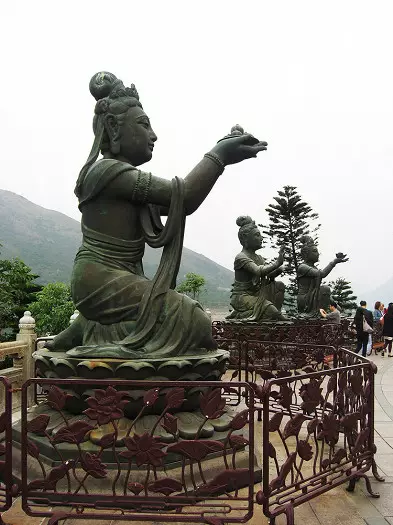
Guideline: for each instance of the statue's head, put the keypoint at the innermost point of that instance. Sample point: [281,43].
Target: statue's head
[122,129]
[249,234]
[309,250]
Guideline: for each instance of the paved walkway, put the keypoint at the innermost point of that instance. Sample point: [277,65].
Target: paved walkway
[337,507]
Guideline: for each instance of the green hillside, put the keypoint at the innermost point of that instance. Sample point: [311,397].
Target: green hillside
[47,241]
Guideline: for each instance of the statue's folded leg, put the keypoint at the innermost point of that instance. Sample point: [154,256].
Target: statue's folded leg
[69,338]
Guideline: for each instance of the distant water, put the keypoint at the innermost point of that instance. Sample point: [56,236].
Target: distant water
[219,314]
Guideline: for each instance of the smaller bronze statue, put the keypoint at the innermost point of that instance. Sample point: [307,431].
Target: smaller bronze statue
[312,295]
[255,295]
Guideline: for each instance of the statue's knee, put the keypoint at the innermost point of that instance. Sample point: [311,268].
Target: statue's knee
[325,290]
[280,286]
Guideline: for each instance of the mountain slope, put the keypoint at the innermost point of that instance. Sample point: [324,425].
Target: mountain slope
[47,241]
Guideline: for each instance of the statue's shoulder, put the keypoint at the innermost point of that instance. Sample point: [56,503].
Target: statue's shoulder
[241,260]
[303,269]
[101,173]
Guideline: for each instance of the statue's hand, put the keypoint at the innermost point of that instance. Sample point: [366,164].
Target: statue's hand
[281,255]
[235,149]
[340,258]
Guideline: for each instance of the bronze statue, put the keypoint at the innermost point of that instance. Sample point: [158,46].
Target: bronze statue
[255,296]
[312,295]
[122,313]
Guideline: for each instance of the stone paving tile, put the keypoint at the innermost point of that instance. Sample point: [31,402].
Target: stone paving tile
[385,430]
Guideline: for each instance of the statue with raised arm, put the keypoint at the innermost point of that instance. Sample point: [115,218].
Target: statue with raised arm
[256,295]
[123,314]
[312,295]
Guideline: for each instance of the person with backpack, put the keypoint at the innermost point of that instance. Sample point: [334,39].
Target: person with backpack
[364,323]
[387,332]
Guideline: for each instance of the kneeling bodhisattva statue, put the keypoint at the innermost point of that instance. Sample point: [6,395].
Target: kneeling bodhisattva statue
[123,314]
[256,295]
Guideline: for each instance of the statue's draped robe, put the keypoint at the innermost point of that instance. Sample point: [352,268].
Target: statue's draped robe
[250,300]
[127,314]
[311,295]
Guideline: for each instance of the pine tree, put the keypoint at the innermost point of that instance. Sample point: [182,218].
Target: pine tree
[289,219]
[343,295]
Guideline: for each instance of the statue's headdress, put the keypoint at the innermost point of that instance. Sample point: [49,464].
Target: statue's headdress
[106,88]
[246,225]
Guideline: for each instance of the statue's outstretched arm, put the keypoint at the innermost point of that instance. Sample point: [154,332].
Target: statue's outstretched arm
[198,182]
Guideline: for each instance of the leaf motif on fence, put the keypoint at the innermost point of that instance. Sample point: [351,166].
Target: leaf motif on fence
[356,382]
[238,442]
[279,481]
[240,420]
[349,421]
[332,384]
[304,450]
[330,428]
[212,404]
[360,440]
[32,449]
[169,423]
[151,396]
[135,487]
[285,396]
[275,421]
[311,393]
[226,481]
[74,433]
[340,454]
[196,449]
[312,425]
[165,486]
[38,424]
[293,426]
[107,440]
[174,398]
[272,451]
[56,398]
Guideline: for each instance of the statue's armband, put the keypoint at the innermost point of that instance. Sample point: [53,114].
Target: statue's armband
[141,192]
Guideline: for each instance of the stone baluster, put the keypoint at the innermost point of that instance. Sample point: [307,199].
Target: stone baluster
[74,316]
[27,335]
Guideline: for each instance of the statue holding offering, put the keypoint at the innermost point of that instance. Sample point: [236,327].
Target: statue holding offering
[312,295]
[123,314]
[256,295]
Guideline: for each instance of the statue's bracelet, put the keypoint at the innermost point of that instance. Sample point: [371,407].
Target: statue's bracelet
[216,159]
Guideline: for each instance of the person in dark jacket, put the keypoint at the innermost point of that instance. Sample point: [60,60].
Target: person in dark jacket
[388,330]
[362,336]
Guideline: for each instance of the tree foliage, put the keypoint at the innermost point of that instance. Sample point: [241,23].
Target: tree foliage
[192,285]
[342,293]
[17,290]
[289,219]
[52,309]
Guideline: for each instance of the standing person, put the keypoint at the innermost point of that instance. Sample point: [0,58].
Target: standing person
[387,332]
[362,337]
[333,316]
[377,314]
[378,311]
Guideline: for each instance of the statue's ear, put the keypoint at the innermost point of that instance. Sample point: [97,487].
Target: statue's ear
[112,129]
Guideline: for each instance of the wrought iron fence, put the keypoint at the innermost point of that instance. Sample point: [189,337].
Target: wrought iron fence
[102,464]
[318,432]
[314,332]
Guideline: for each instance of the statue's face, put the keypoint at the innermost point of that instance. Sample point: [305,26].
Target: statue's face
[137,137]
[254,239]
[313,254]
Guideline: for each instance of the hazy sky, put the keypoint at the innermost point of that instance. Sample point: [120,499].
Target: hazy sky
[313,78]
